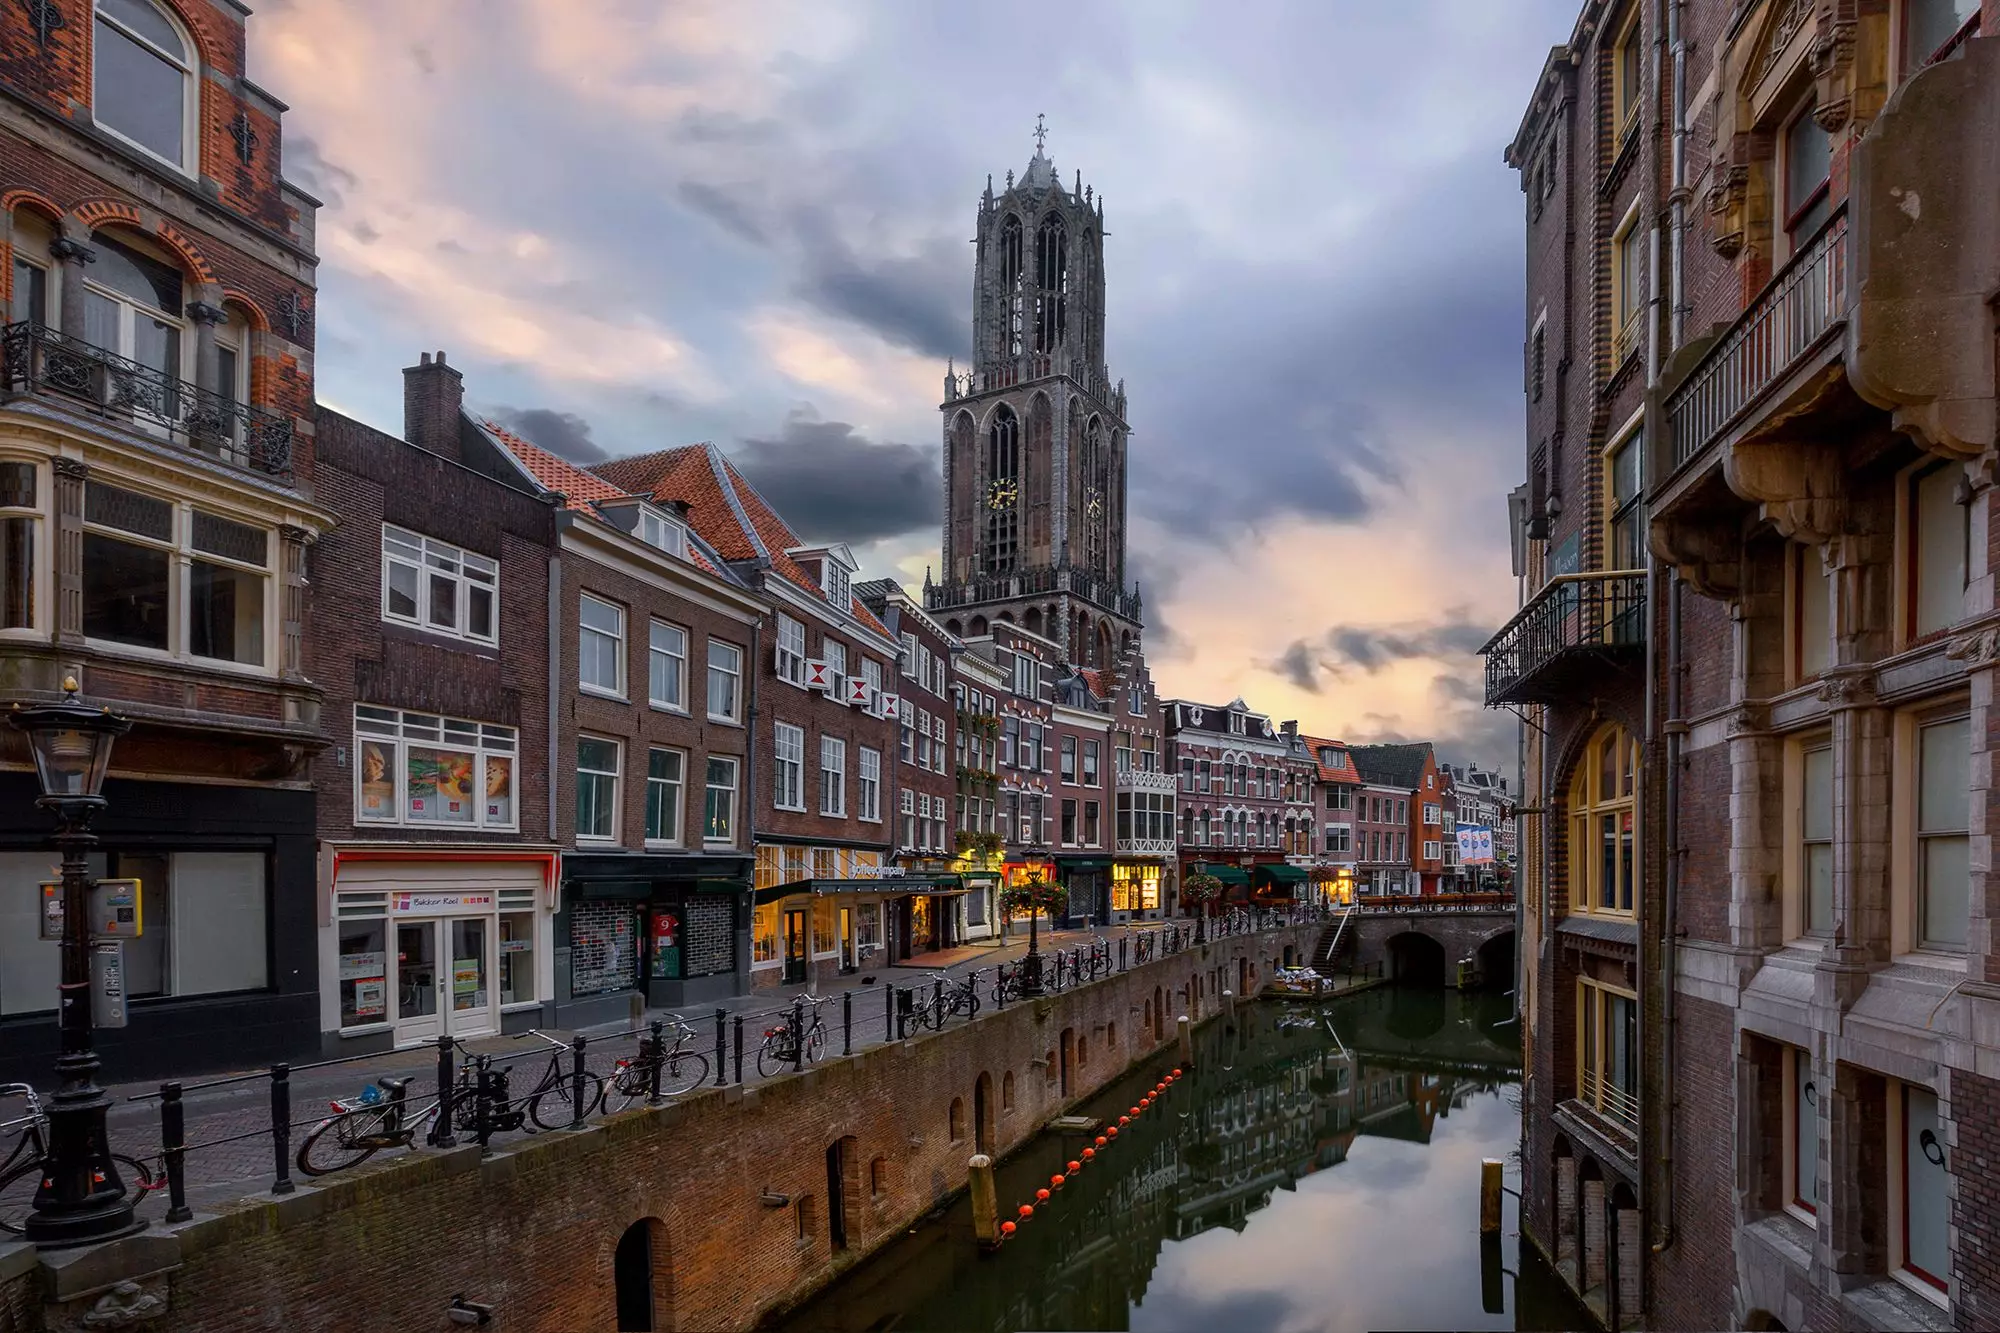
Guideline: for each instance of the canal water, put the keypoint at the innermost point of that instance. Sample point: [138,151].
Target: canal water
[1317,1169]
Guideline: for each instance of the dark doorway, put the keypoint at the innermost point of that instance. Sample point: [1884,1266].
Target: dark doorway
[1068,1056]
[795,946]
[982,1113]
[632,1275]
[1242,978]
[836,1193]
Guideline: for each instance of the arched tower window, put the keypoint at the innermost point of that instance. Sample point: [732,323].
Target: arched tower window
[143,86]
[1603,825]
[1010,280]
[1096,493]
[1001,548]
[1052,283]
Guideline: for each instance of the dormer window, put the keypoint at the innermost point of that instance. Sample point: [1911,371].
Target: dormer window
[1236,724]
[835,582]
[659,531]
[143,80]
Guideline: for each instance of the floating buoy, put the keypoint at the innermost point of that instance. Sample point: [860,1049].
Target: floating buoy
[1074,1168]
[1177,1073]
[1027,1210]
[1100,1140]
[1089,1153]
[1057,1181]
[1113,1131]
[1006,1228]
[1126,1119]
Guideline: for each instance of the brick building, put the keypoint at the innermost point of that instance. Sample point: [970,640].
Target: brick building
[1382,839]
[1337,850]
[1767,255]
[1026,750]
[157,497]
[1409,777]
[1081,735]
[1232,763]
[979,682]
[428,631]
[649,710]
[1144,866]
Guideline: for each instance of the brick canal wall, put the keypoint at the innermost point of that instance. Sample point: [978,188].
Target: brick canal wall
[532,1230]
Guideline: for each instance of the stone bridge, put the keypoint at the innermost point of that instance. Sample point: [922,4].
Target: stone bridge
[1426,946]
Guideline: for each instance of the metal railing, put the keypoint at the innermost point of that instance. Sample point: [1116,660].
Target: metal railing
[1030,583]
[1617,1107]
[1600,610]
[39,359]
[1801,306]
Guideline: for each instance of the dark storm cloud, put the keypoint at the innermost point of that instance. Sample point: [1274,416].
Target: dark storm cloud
[562,433]
[1344,649]
[835,485]
[909,300]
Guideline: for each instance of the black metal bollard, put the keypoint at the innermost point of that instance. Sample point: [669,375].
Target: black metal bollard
[441,1135]
[739,1054]
[659,1030]
[281,1127]
[577,1074]
[937,1006]
[721,1022]
[888,1009]
[173,1142]
[797,1020]
[1122,941]
[902,1015]
[847,1022]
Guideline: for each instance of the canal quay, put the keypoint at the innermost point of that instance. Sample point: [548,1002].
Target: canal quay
[1315,1167]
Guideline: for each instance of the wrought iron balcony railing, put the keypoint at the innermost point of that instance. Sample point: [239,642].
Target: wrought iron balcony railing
[1574,619]
[1798,310]
[40,360]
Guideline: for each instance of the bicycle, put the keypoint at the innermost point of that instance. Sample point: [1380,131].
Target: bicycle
[23,1171]
[780,1048]
[552,1101]
[680,1070]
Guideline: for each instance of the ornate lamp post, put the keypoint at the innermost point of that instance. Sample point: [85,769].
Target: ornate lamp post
[81,1198]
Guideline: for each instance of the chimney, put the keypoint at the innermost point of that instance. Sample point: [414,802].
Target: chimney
[1289,728]
[433,396]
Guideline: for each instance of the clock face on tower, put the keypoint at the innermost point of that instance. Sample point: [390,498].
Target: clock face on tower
[1002,495]
[1093,503]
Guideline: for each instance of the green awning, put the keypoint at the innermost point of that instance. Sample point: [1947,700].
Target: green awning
[1083,862]
[1231,876]
[891,885]
[1282,874]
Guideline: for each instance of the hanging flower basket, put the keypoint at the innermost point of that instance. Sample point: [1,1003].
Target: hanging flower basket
[1201,888]
[1034,895]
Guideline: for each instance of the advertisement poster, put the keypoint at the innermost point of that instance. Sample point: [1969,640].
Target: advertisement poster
[666,946]
[499,790]
[370,966]
[370,998]
[378,780]
[440,786]
[465,978]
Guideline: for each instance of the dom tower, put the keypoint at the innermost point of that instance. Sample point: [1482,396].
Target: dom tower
[1035,433]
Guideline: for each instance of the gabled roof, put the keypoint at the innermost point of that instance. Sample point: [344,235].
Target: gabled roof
[581,490]
[725,509]
[1341,772]
[1391,765]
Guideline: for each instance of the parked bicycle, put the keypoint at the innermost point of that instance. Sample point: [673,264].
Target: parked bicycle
[22,1169]
[681,1069]
[379,1118]
[780,1049]
[554,1103]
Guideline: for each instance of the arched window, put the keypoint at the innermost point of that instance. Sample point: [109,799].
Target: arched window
[1010,280]
[1051,283]
[1003,493]
[142,88]
[1096,492]
[1603,825]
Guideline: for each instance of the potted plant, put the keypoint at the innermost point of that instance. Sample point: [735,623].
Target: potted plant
[1201,889]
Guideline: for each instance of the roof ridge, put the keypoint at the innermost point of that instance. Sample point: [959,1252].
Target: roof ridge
[719,466]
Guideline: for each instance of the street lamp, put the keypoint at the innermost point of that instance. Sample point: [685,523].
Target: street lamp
[1031,964]
[81,1198]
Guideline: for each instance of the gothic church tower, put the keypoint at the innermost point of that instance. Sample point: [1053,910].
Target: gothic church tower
[1035,432]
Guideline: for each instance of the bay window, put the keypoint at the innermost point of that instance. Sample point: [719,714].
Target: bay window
[173,579]
[418,769]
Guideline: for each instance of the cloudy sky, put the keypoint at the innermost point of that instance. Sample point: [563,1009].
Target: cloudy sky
[636,224]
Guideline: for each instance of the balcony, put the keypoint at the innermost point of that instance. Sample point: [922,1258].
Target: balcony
[1034,583]
[1144,802]
[41,361]
[1578,625]
[1139,779]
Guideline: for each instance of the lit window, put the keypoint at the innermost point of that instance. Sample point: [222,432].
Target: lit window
[439,587]
[600,651]
[1607,1052]
[725,681]
[143,80]
[596,789]
[1808,162]
[417,768]
[1603,855]
[666,666]
[665,777]
[1937,534]
[1943,853]
[719,820]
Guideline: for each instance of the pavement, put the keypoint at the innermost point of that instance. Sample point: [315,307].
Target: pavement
[230,1149]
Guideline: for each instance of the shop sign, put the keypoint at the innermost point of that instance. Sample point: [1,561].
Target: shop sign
[442,902]
[516,946]
[865,871]
[371,998]
[370,966]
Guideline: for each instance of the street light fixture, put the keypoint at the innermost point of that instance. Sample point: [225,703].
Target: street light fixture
[81,1199]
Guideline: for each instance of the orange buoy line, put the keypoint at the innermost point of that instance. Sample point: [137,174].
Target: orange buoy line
[1027,1210]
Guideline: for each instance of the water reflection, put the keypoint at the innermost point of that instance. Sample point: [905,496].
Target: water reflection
[1227,1213]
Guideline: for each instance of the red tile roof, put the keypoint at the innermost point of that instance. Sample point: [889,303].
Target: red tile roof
[1331,772]
[725,509]
[1094,678]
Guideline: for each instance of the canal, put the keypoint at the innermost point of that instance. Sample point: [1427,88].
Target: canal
[1317,1168]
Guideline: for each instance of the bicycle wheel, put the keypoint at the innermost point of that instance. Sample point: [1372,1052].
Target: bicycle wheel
[629,1087]
[971,1005]
[683,1072]
[17,1195]
[140,1178]
[774,1055]
[341,1141]
[553,1107]
[816,1042]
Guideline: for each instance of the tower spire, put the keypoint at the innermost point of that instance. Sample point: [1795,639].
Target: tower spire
[1041,132]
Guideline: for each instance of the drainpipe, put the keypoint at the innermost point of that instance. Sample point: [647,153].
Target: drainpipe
[1677,198]
[1676,728]
[555,674]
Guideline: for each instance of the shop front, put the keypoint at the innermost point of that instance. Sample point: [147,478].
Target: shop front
[1278,884]
[423,942]
[1137,890]
[1016,874]
[979,906]
[656,931]
[1088,880]
[1235,883]
[813,930]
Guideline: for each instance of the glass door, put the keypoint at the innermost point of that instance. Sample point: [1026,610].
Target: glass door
[795,946]
[419,984]
[472,1009]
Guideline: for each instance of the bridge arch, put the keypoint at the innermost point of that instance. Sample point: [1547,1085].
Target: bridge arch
[1493,957]
[1415,958]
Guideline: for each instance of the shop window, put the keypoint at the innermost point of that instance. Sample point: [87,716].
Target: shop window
[604,946]
[420,769]
[130,543]
[719,824]
[1942,870]
[867,926]
[1812,614]
[439,587]
[665,780]
[1801,1135]
[1921,1174]
[517,957]
[143,84]
[363,964]
[725,681]
[1607,1052]
[764,935]
[596,789]
[666,666]
[20,529]
[1603,852]
[825,928]
[1936,538]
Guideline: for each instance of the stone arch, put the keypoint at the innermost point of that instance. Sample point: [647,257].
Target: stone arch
[1760,1320]
[1037,474]
[955,1120]
[253,314]
[1032,621]
[1494,958]
[1007,617]
[1125,645]
[962,457]
[1417,958]
[982,1112]
[1101,649]
[642,1277]
[955,628]
[979,627]
[15,200]
[98,214]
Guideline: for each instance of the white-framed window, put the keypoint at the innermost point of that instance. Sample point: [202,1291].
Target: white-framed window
[909,663]
[666,666]
[906,806]
[1339,837]
[1090,759]
[658,531]
[837,585]
[725,681]
[868,785]
[596,789]
[1432,812]
[439,587]
[1433,851]
[791,649]
[871,676]
[832,775]
[421,769]
[719,804]
[173,579]
[1026,675]
[666,782]
[1068,760]
[835,654]
[600,646]
[143,67]
[1135,699]
[788,772]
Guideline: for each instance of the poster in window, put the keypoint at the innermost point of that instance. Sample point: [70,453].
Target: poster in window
[378,780]
[440,786]
[370,998]
[499,790]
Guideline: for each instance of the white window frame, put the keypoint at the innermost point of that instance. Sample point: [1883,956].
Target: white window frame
[791,650]
[868,786]
[833,777]
[617,690]
[788,766]
[661,533]
[398,729]
[838,585]
[188,63]
[719,651]
[680,798]
[616,773]
[734,788]
[677,663]
[467,571]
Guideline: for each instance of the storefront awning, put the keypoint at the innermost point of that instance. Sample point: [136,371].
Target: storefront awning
[1281,874]
[1231,876]
[888,886]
